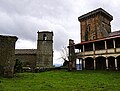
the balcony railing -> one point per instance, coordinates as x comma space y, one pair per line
111, 51
100, 51
117, 49
97, 52
89, 53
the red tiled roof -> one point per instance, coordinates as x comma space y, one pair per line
112, 35
115, 33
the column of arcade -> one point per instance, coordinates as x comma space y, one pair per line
94, 48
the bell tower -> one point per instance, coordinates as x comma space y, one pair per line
45, 49
95, 25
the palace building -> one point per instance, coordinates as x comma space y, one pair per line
99, 48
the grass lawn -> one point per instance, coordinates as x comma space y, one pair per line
62, 80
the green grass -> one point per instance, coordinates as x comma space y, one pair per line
63, 81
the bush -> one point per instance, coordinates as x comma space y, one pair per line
18, 66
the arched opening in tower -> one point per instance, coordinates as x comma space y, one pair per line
44, 37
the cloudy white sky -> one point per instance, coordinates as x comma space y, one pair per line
23, 18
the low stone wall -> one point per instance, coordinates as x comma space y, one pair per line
7, 55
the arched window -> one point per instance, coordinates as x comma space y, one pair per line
44, 37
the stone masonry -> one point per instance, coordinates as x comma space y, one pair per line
39, 58
45, 49
7, 55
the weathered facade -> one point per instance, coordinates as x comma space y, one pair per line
95, 25
42, 57
99, 47
45, 49
27, 57
7, 55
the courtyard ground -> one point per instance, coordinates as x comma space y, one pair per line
62, 80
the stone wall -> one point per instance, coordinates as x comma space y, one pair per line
27, 57
72, 57
28, 60
7, 55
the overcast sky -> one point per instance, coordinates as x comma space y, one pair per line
23, 18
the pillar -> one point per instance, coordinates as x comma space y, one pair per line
84, 63
114, 43
105, 45
116, 64
94, 64
106, 63
83, 48
93, 46
72, 52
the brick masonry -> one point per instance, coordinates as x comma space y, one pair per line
95, 25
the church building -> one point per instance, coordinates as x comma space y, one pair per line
42, 57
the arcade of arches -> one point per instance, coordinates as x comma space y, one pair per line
101, 63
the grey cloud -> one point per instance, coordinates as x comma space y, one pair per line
38, 8
24, 18
19, 11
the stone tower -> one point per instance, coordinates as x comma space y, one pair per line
95, 25
45, 49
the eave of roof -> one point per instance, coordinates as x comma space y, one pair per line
25, 51
45, 31
7, 36
99, 10
102, 39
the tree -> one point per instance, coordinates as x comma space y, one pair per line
64, 56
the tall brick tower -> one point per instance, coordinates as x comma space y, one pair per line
45, 49
95, 25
